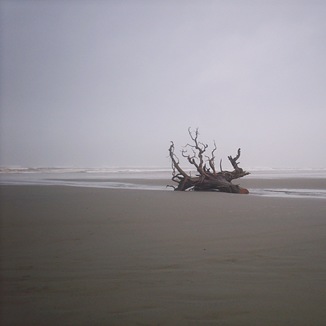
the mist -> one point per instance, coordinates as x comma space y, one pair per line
111, 83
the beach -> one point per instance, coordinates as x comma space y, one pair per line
90, 256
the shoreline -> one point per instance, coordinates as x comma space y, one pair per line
88, 256
289, 187
157, 183
247, 182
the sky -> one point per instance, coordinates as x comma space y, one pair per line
110, 83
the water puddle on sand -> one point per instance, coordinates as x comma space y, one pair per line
290, 193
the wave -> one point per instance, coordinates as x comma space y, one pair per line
162, 172
82, 170
136, 169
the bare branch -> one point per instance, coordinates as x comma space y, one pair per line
200, 147
211, 160
234, 160
175, 161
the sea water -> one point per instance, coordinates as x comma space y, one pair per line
113, 178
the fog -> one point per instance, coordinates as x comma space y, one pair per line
111, 83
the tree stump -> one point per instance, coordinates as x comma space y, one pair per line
207, 178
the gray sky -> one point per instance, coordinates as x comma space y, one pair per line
110, 83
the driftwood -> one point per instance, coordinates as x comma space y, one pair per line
207, 178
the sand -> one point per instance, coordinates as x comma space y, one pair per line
86, 256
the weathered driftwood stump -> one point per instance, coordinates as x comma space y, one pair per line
206, 179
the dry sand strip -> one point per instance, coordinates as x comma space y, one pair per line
86, 256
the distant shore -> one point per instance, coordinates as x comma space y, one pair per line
87, 256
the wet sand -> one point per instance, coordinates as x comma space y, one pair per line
86, 256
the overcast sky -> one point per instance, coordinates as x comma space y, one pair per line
111, 83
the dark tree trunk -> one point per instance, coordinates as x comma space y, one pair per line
206, 179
